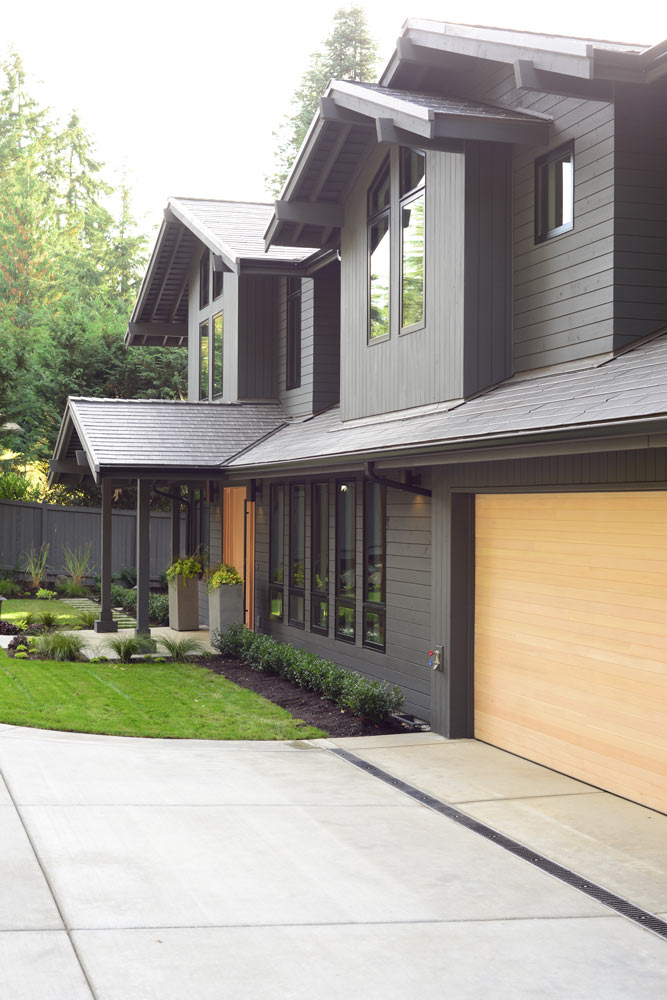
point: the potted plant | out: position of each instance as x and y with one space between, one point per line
184 599
225 596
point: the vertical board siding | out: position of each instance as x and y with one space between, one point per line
424 366
297 402
563 289
257 338
640 243
488 266
408 606
326 345
26 526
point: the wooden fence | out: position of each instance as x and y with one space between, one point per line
27 526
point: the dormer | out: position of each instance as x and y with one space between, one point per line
211 285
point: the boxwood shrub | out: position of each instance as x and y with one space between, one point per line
369 699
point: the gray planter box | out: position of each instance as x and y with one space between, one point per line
183 605
225 606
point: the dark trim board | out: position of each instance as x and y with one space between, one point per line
462 612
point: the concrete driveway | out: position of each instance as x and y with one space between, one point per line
140 869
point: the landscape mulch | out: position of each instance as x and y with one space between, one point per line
306 705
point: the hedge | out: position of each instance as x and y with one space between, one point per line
369 699
158 604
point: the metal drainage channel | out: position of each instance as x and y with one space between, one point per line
566 875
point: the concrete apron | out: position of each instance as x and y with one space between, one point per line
141 869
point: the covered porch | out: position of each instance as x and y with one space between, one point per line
175 450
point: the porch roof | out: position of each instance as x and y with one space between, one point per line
136 438
623 395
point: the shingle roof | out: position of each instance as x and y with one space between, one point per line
450 107
236 227
625 389
163 434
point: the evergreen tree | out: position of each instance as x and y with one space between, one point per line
349 53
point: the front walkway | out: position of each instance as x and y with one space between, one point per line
137 869
96 642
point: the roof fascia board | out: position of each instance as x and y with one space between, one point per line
532 133
309 213
215 246
528 77
83 438
331 111
388 133
163 331
152 264
479 44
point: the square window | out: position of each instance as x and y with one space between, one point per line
554 193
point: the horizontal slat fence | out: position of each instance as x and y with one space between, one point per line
25 526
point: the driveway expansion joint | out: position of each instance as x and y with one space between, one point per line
650 921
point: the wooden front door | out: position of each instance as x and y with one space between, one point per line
571 635
238 541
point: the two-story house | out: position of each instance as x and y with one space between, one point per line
479 516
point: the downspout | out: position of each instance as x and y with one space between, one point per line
394 484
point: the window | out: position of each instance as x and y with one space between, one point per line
204 266
297 555
379 219
346 564
319 563
412 204
293 377
554 193
203 360
276 547
374 616
218 342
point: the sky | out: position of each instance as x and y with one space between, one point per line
183 98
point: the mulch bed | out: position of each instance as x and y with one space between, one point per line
306 705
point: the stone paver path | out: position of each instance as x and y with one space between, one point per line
85 604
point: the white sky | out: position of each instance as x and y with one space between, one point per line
184 97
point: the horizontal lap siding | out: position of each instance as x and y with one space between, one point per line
563 288
326 372
257 338
641 216
408 602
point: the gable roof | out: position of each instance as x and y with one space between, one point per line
233 232
133 437
627 392
353 116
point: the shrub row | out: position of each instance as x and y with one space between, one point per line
158 604
369 699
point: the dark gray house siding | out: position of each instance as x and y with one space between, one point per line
408 535
257 337
563 288
298 402
640 238
326 337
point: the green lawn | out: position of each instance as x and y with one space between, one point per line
177 700
15 610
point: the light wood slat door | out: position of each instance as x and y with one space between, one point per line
571 635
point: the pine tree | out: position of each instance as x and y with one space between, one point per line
349 53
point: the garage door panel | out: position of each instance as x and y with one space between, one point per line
571 635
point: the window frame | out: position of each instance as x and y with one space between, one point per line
374 607
204 325
404 201
372 219
317 596
540 192
276 587
205 279
343 600
293 331
294 593
214 353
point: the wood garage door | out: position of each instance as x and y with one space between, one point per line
571 635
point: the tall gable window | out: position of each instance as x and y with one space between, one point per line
379 220
412 204
203 361
554 193
218 343
293 377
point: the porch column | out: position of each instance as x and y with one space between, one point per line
143 555
175 529
105 622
